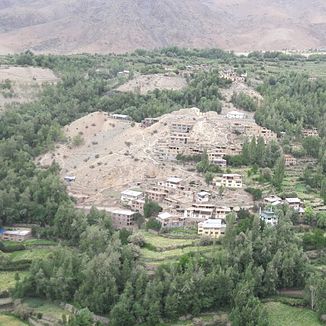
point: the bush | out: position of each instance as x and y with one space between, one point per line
257 194
153 224
137 239
77 140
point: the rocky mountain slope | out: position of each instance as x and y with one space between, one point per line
66 26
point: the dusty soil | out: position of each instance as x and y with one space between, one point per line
26 82
145 83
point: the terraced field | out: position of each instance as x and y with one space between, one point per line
7 320
281 314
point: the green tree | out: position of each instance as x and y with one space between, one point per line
279 172
151 209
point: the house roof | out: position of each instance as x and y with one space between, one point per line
231 175
203 193
164 215
213 223
272 199
174 180
17 232
293 200
131 193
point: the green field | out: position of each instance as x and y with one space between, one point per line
282 315
45 307
7 320
164 243
7 279
220 319
174 253
35 253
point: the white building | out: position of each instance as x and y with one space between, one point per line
273 200
213 228
236 115
129 195
229 181
18 235
221 212
172 182
269 217
169 220
203 196
295 203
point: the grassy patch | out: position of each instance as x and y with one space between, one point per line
219 318
281 314
175 253
8 320
7 280
164 243
39 242
32 254
45 307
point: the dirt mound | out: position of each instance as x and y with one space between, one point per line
24 83
145 83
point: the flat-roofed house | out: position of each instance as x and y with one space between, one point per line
203 196
122 218
295 203
155 195
172 182
269 217
122 117
137 205
221 212
273 200
213 228
17 235
310 132
182 126
229 181
199 211
290 160
129 195
169 220
235 115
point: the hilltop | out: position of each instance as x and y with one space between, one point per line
119 26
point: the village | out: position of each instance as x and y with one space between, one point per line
185 198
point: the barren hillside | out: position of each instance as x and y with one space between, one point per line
118 154
23 83
65 26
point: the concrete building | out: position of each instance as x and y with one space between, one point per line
129 195
229 181
137 205
156 195
235 115
169 220
172 182
310 132
147 122
212 228
290 160
199 211
203 196
273 200
295 203
221 212
122 218
17 235
182 126
121 117
269 217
